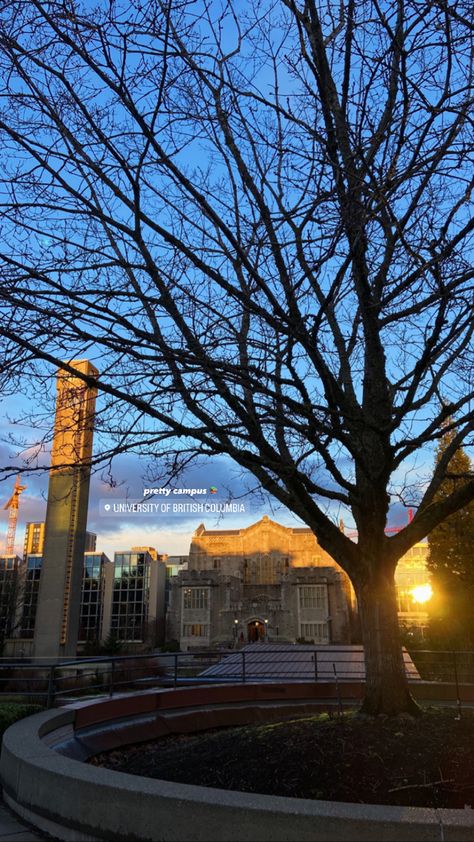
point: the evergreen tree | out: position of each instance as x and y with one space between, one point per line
451 561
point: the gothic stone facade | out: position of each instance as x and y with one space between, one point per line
264 582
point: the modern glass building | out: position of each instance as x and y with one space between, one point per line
92 596
32 573
34 539
131 596
125 598
9 581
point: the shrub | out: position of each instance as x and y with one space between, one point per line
11 712
111 645
91 648
170 646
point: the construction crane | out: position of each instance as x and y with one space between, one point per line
12 506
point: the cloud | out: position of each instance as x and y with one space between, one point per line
129 475
168 533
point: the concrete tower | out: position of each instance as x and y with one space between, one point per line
57 619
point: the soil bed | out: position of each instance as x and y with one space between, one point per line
422 762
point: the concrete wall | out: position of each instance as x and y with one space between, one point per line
75 801
57 617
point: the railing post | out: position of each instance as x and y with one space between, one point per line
51 687
243 667
456 678
112 677
339 700
175 671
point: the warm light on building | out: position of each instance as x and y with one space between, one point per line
413 590
422 593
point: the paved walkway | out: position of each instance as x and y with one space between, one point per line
13 830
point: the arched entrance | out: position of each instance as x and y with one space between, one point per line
255 631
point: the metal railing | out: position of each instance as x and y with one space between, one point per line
84 678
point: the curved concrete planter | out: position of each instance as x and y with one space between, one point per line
45 782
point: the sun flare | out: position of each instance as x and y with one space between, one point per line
422 593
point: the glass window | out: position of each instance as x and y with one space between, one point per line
130 600
313 596
316 632
196 598
195 630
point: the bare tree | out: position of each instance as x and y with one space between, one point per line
256 219
13 583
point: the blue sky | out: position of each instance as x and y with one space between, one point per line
52 245
168 534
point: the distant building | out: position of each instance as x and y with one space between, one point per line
412 580
150 550
175 562
59 598
125 597
91 542
263 582
34 539
31 580
174 565
9 596
135 597
275 583
93 596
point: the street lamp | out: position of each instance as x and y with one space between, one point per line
266 629
236 623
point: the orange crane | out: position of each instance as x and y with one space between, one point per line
12 506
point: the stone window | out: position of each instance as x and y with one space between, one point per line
246 572
196 598
317 632
266 571
195 630
313 596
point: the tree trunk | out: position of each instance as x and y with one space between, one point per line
387 688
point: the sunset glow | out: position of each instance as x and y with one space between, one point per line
422 593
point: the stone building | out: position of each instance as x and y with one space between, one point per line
263 582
